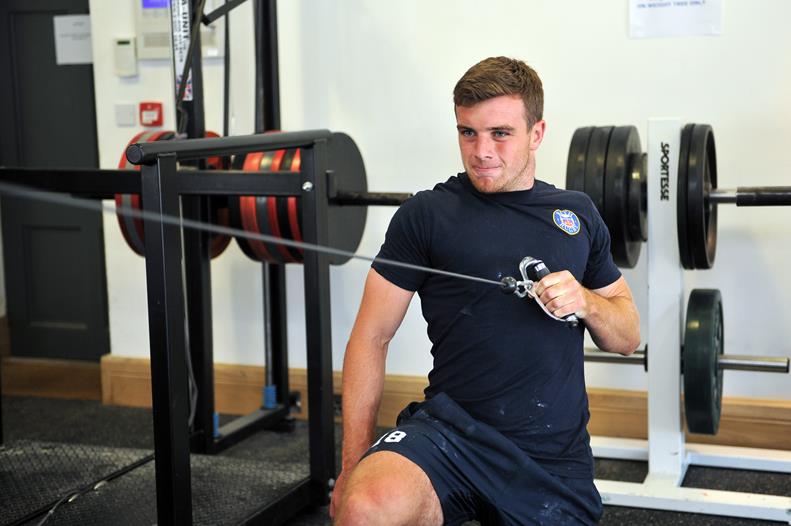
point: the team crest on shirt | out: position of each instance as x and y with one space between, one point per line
567 221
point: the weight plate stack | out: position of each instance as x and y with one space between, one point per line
608 164
697 216
623 150
637 212
703 346
132 226
595 162
578 155
281 217
270 216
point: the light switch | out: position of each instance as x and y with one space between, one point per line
125 56
125 114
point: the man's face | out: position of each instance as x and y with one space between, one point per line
497 148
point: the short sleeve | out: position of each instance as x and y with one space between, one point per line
600 270
406 241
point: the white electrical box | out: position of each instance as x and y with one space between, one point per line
152 19
125 57
154 28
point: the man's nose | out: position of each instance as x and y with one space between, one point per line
484 148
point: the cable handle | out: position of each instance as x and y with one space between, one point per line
532 270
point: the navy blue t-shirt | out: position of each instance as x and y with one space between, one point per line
500 357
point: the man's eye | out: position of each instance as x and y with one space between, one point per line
467 133
500 134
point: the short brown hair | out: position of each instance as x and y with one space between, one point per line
497 76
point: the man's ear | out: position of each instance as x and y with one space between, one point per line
537 134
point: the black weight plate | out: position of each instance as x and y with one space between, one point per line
701 213
578 154
682 219
594 166
703 346
346 223
624 144
638 198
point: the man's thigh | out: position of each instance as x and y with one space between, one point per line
391 487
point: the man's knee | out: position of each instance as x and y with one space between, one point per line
386 488
366 505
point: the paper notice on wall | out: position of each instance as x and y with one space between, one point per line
674 18
72 39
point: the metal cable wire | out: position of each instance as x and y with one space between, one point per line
89 204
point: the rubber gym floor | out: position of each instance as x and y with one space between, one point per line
55 445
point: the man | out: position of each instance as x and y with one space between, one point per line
502 436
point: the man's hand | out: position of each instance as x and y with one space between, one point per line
609 312
562 294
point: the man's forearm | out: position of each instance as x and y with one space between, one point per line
613 323
363 381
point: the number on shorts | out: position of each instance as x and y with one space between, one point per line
393 436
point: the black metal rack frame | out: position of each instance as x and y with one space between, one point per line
164 190
197 269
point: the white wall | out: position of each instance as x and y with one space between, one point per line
384 72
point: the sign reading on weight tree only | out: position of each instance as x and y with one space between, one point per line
674 18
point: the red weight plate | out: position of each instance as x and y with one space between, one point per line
293 211
247 210
271 210
288 219
219 242
131 230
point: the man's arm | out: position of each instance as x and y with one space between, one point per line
609 312
382 310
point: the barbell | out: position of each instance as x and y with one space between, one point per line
702 361
608 164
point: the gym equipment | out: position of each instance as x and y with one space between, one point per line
164 190
703 361
532 271
697 209
132 227
608 164
268 215
281 216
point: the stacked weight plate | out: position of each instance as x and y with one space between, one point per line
607 164
132 224
281 217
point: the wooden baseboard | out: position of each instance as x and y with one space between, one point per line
238 388
50 378
745 422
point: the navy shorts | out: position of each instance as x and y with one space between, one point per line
479 474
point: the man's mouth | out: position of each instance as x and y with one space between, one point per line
485 170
